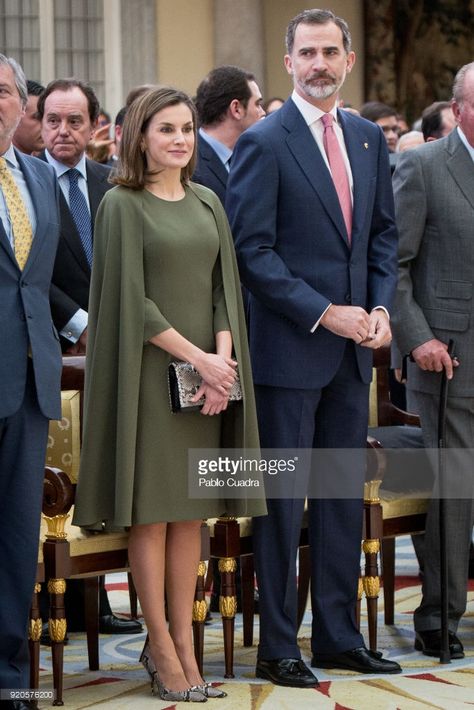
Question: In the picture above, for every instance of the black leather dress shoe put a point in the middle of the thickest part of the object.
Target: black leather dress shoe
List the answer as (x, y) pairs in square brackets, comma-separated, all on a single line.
[(286, 671), (360, 660), (429, 643), (111, 624)]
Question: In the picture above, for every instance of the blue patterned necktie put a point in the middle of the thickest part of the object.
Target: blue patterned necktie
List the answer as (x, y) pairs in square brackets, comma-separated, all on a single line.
[(80, 213)]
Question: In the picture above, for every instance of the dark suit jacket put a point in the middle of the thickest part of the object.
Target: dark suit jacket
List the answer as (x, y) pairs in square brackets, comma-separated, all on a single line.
[(71, 276), (210, 170), (25, 314), (292, 244)]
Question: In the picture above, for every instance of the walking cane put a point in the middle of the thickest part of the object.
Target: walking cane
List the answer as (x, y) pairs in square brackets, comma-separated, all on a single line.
[(445, 656)]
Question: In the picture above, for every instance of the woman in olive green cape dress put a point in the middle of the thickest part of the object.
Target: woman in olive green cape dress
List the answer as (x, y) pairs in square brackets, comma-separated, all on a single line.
[(126, 330)]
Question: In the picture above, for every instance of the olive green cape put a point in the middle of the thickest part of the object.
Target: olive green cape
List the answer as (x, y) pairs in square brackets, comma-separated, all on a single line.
[(104, 498)]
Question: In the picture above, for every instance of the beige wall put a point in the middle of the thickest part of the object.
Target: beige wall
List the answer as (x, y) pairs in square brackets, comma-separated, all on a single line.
[(277, 14), (185, 39), (186, 48)]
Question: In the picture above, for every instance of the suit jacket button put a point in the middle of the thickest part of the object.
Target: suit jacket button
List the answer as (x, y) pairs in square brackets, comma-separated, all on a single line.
[(348, 298)]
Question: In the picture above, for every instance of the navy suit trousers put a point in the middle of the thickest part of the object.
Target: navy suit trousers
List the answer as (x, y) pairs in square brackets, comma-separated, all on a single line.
[(23, 438), (333, 417)]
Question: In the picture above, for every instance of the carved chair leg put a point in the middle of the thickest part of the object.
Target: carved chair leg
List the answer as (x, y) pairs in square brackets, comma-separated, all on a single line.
[(91, 604), (360, 593), (388, 567), (199, 616), (371, 583), (228, 608), (132, 593), (57, 632), (247, 576), (34, 635), (304, 576)]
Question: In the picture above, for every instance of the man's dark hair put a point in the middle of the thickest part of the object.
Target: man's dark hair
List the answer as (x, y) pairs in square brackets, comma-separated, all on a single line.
[(67, 85), (317, 17), (34, 88), (432, 119), (120, 117), (373, 110), (217, 91)]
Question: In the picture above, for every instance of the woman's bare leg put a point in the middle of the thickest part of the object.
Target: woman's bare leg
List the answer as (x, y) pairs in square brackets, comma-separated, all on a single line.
[(147, 556), (183, 551)]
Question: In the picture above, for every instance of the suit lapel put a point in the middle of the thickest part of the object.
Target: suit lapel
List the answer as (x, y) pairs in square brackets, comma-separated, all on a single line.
[(461, 166), (97, 186), (39, 197), (302, 145), (359, 150), (213, 161)]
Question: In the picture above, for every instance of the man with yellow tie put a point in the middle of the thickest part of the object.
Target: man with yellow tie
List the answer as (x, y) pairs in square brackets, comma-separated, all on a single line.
[(30, 371)]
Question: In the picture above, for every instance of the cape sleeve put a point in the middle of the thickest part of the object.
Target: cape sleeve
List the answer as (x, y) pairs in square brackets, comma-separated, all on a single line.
[(113, 367)]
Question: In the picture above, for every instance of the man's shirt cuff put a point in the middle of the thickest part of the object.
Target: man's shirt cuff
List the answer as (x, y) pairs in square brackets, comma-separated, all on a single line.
[(75, 327)]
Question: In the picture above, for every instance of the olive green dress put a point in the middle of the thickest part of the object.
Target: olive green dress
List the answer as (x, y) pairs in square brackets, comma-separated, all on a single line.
[(183, 278), (157, 264)]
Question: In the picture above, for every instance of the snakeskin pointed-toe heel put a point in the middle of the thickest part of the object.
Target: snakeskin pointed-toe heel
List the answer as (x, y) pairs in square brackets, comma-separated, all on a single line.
[(146, 659), (190, 695), (209, 691)]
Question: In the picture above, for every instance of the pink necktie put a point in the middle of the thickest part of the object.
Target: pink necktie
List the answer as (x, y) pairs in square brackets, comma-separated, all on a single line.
[(338, 170)]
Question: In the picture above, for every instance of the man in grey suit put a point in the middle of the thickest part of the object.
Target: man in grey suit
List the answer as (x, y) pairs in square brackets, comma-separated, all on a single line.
[(30, 370), (434, 199)]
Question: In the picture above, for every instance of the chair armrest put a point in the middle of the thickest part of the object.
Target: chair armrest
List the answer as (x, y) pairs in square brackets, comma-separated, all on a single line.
[(58, 492)]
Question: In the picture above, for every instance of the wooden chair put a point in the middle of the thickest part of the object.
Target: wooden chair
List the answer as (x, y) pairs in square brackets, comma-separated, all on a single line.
[(231, 539), (388, 513), (71, 552)]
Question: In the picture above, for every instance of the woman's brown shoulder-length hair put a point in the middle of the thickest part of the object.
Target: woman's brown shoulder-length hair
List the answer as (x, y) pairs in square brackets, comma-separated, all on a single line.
[(132, 170)]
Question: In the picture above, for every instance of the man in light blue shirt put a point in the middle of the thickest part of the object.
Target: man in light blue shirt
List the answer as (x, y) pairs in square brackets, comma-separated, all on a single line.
[(228, 101)]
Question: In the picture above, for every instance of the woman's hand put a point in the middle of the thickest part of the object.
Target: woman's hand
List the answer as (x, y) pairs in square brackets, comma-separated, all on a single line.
[(217, 371), (214, 401)]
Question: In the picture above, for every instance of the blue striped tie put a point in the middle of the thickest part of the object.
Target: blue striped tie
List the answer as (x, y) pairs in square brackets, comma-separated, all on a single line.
[(80, 213)]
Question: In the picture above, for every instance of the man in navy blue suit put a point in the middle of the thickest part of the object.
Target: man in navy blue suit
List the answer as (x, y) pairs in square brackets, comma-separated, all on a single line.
[(310, 203), (30, 371), (228, 101)]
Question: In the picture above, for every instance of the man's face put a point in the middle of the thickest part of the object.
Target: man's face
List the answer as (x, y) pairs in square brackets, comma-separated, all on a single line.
[(448, 122), (27, 136), (319, 63), (464, 112), (389, 126), (254, 111), (11, 108), (66, 127)]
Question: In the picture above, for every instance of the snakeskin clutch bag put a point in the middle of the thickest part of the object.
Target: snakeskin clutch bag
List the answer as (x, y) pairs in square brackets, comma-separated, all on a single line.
[(183, 383)]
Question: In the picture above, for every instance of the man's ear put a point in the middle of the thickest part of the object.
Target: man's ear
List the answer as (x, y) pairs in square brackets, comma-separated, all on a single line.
[(236, 109), (351, 57)]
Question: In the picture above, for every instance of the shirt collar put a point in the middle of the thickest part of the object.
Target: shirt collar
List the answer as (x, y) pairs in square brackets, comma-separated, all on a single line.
[(223, 152), (470, 148), (60, 169), (10, 156), (311, 113)]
